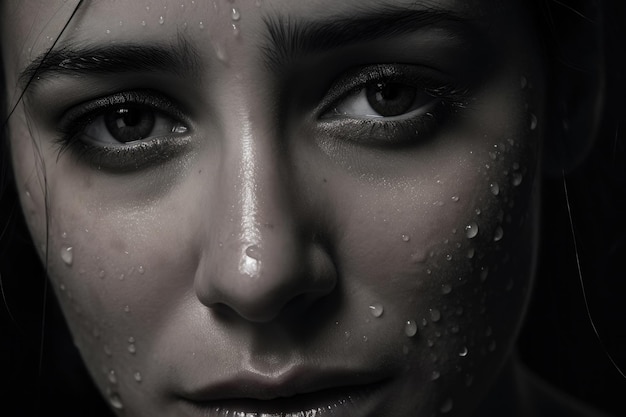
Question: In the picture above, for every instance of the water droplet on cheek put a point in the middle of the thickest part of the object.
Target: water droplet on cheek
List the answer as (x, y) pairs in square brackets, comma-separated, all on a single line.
[(376, 309), (410, 329), (435, 315), (447, 406), (67, 255), (115, 400), (471, 230), (498, 234)]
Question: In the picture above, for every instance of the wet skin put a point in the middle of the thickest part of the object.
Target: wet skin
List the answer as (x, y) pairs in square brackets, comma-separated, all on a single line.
[(300, 215)]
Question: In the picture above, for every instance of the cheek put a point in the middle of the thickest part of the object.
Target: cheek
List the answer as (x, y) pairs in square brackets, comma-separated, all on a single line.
[(448, 274)]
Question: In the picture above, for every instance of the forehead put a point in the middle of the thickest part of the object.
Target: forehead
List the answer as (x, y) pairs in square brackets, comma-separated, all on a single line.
[(32, 26)]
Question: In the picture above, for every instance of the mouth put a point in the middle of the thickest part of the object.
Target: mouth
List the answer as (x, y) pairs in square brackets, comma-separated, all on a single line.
[(253, 398)]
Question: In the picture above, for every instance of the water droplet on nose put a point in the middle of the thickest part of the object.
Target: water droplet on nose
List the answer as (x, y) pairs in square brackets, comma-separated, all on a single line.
[(115, 400), (112, 377), (495, 188), (67, 255), (463, 353), (435, 375), (446, 407), (406, 238), (410, 329), (235, 14), (253, 252), (376, 309), (533, 121), (161, 20), (517, 179), (471, 230), (435, 315), (446, 289), (498, 234)]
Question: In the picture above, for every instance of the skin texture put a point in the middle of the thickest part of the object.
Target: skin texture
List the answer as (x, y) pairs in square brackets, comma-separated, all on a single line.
[(284, 240)]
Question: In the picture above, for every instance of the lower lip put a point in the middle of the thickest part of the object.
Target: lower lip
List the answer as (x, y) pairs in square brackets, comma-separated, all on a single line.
[(359, 401)]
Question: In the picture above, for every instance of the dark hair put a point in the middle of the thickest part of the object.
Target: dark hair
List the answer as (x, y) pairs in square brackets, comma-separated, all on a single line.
[(43, 373)]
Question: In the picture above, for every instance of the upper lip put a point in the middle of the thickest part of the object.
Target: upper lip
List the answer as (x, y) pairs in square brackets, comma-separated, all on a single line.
[(298, 380)]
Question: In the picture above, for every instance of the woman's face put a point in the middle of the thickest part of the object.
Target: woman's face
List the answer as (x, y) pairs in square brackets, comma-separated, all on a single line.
[(280, 206)]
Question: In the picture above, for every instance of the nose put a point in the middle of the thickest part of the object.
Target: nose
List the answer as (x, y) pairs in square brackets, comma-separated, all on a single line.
[(261, 256)]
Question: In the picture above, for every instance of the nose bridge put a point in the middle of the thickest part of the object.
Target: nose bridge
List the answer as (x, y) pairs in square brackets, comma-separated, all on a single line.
[(259, 267)]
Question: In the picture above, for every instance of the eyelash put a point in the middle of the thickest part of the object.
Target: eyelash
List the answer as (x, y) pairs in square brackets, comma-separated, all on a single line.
[(396, 131), (128, 156)]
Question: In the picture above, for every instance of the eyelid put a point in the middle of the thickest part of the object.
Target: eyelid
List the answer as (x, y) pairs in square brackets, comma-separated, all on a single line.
[(355, 80), (76, 118)]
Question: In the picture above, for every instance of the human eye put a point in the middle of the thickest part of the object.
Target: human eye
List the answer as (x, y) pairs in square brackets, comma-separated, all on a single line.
[(124, 131), (390, 104)]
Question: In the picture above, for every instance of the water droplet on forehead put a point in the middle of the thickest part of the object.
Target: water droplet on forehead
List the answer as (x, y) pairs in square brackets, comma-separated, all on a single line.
[(495, 188), (447, 406), (376, 309), (235, 14), (471, 230), (410, 328), (435, 315), (67, 255)]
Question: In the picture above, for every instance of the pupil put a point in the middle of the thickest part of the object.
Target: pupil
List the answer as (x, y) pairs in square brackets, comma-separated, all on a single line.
[(391, 99), (128, 124)]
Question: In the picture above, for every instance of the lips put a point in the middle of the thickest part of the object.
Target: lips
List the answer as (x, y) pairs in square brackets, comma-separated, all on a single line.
[(299, 394)]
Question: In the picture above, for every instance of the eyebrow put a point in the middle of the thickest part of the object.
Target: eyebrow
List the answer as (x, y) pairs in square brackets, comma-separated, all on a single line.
[(80, 59), (289, 37)]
